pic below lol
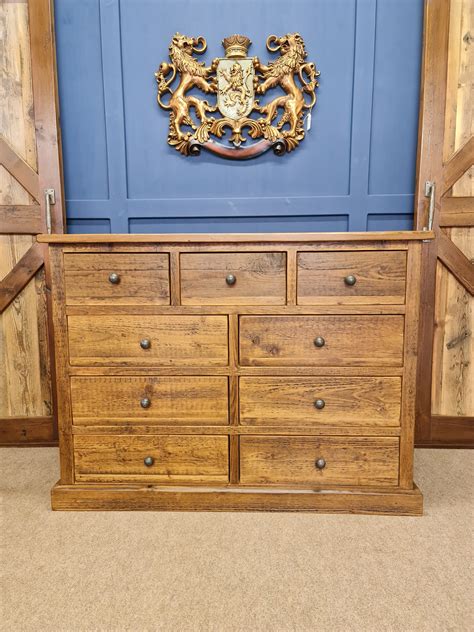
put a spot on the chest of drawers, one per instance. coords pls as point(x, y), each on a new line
point(236, 372)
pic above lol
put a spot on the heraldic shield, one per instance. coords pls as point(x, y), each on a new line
point(235, 87)
point(236, 80)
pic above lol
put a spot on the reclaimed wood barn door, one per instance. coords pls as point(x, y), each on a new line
point(445, 414)
point(30, 165)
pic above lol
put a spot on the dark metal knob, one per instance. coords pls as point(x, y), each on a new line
point(230, 279)
point(114, 278)
point(350, 280)
point(145, 343)
point(319, 341)
point(148, 460)
point(145, 402)
point(319, 404)
point(320, 464)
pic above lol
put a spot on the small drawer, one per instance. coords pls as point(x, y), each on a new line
point(320, 401)
point(318, 461)
point(116, 279)
point(150, 400)
point(169, 340)
point(321, 340)
point(233, 278)
point(163, 458)
point(351, 277)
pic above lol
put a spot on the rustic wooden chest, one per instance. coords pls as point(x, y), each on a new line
point(237, 372)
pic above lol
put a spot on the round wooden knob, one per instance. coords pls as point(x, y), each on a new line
point(145, 343)
point(145, 402)
point(320, 464)
point(230, 279)
point(319, 404)
point(148, 461)
point(114, 278)
point(350, 280)
point(319, 341)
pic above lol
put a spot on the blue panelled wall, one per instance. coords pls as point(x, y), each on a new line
point(354, 171)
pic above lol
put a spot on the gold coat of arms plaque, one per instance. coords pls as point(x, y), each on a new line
point(236, 80)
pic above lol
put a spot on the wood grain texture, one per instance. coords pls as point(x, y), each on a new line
point(260, 278)
point(123, 498)
point(20, 275)
point(349, 340)
point(144, 279)
point(358, 401)
point(177, 458)
point(380, 277)
point(291, 460)
point(240, 238)
point(184, 340)
point(21, 219)
point(180, 400)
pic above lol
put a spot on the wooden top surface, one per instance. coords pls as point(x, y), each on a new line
point(401, 235)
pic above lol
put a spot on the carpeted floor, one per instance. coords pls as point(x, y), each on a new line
point(226, 572)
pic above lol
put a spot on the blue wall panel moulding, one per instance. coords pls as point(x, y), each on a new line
point(354, 171)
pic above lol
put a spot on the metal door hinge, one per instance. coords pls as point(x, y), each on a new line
point(430, 191)
point(49, 199)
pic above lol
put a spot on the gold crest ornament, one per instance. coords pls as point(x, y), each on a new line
point(236, 79)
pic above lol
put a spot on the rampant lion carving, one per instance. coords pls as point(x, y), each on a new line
point(282, 72)
point(193, 74)
point(230, 83)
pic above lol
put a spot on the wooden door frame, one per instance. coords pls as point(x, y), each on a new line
point(438, 430)
point(31, 219)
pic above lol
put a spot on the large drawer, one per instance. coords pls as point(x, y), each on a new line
point(170, 458)
point(341, 401)
point(116, 279)
point(233, 278)
point(321, 340)
point(351, 277)
point(318, 461)
point(187, 400)
point(148, 340)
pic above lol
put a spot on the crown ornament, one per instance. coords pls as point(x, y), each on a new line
point(236, 46)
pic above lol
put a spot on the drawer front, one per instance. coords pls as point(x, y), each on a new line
point(351, 277)
point(144, 400)
point(341, 401)
point(352, 461)
point(234, 278)
point(342, 340)
point(170, 458)
point(116, 279)
point(148, 340)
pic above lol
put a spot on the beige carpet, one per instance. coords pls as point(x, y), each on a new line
point(224, 572)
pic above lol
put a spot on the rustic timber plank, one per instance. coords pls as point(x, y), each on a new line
point(20, 275)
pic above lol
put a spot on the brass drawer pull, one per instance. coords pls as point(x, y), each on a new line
point(148, 461)
point(319, 341)
point(145, 343)
point(114, 278)
point(319, 404)
point(350, 279)
point(320, 464)
point(230, 279)
point(145, 402)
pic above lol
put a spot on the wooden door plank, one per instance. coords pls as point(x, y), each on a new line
point(456, 262)
point(457, 165)
point(456, 211)
point(20, 275)
point(23, 219)
point(19, 169)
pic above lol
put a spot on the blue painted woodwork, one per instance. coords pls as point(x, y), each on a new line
point(354, 171)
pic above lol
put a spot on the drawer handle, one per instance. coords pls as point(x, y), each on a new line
point(145, 402)
point(350, 279)
point(114, 278)
point(320, 464)
point(148, 461)
point(319, 341)
point(145, 343)
point(319, 404)
point(230, 279)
